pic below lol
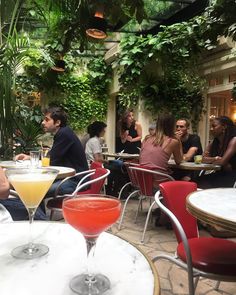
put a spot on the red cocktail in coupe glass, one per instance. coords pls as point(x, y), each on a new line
point(91, 215)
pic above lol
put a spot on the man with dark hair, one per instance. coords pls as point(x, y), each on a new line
point(191, 146)
point(191, 142)
point(66, 150)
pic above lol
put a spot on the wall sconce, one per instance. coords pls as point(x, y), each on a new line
point(97, 26)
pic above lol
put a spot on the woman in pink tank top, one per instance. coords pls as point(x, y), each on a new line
point(157, 149)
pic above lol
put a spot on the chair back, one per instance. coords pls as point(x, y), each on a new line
point(95, 165)
point(174, 194)
point(96, 182)
point(147, 179)
point(132, 176)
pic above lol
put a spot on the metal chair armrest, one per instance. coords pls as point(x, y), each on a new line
point(69, 177)
point(13, 193)
point(79, 187)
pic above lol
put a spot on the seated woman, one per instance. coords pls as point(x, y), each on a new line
point(221, 151)
point(93, 148)
point(130, 134)
point(157, 149)
point(93, 151)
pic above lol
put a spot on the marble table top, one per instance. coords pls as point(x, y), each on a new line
point(63, 171)
point(128, 269)
point(215, 206)
point(121, 155)
point(193, 166)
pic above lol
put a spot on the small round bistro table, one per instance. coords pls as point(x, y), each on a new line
point(63, 171)
point(129, 270)
point(214, 206)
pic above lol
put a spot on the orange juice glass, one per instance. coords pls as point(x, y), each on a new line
point(45, 157)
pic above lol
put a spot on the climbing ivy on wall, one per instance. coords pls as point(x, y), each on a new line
point(86, 95)
point(163, 69)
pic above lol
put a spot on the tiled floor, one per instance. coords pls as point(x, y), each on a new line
point(173, 280)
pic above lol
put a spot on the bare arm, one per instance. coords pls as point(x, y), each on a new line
point(22, 157)
point(190, 153)
point(223, 161)
point(177, 151)
point(138, 128)
point(4, 185)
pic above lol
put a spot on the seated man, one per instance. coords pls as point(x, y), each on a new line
point(66, 150)
point(191, 146)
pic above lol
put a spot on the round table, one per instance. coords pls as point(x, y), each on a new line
point(63, 171)
point(129, 270)
point(193, 166)
point(214, 206)
point(121, 155)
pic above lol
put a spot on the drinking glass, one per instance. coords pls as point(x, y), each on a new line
point(31, 186)
point(91, 215)
point(198, 159)
point(45, 157)
point(34, 158)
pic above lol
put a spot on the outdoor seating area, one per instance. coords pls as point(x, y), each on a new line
point(118, 147)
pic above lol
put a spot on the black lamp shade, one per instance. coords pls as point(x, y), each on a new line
point(59, 65)
point(97, 28)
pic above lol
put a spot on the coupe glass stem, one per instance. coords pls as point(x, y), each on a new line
point(31, 212)
point(90, 243)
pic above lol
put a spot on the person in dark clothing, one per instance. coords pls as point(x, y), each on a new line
point(191, 142)
point(130, 133)
point(221, 151)
point(66, 150)
point(191, 146)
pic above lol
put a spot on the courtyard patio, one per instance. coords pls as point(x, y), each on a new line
point(173, 280)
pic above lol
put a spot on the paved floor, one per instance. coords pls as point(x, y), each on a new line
point(173, 280)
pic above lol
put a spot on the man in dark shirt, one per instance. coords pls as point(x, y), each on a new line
point(191, 142)
point(191, 146)
point(66, 150)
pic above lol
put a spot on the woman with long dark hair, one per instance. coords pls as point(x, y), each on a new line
point(221, 151)
point(130, 133)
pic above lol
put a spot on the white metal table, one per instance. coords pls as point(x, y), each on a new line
point(214, 206)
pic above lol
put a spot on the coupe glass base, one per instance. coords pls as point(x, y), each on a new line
point(80, 284)
point(26, 252)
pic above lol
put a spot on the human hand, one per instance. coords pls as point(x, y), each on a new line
point(129, 138)
point(22, 157)
point(178, 134)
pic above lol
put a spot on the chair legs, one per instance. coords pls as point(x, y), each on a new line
point(146, 222)
point(126, 202)
point(217, 285)
point(122, 189)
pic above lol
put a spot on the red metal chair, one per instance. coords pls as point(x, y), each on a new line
point(147, 181)
point(133, 183)
point(209, 257)
point(96, 181)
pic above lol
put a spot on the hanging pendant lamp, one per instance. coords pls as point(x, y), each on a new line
point(97, 26)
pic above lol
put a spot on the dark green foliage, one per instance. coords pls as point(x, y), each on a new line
point(162, 70)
